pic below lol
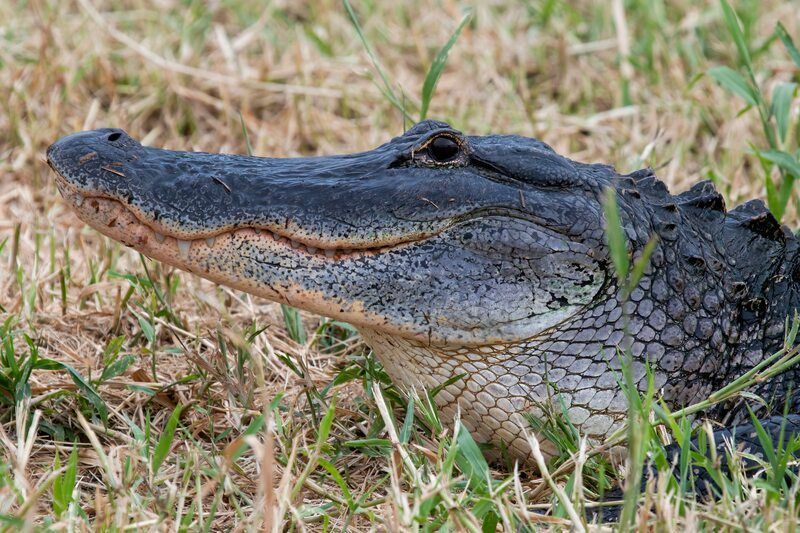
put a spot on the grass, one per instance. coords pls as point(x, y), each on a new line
point(133, 395)
point(776, 115)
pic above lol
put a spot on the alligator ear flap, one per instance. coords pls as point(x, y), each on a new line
point(755, 216)
point(702, 195)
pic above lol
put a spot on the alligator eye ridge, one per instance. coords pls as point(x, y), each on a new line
point(443, 149)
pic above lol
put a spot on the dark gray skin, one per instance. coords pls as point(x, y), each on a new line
point(483, 256)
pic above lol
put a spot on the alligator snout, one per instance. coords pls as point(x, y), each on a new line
point(76, 150)
point(92, 163)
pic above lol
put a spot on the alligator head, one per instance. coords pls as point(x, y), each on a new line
point(454, 254)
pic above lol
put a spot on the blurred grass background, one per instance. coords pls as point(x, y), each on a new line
point(100, 346)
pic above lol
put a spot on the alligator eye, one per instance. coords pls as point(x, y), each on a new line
point(114, 136)
point(443, 149)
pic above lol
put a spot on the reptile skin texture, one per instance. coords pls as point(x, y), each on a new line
point(482, 257)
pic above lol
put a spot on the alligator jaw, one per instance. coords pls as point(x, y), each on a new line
point(202, 255)
point(199, 255)
point(382, 239)
point(106, 215)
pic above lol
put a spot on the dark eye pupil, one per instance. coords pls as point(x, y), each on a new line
point(443, 149)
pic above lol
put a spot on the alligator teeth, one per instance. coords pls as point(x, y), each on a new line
point(77, 199)
point(311, 249)
point(295, 244)
point(183, 248)
point(159, 238)
point(210, 241)
point(257, 231)
point(329, 253)
point(276, 236)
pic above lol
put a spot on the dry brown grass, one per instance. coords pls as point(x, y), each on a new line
point(178, 75)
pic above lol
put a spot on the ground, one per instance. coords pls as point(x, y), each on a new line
point(186, 402)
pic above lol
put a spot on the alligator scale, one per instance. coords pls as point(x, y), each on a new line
point(476, 255)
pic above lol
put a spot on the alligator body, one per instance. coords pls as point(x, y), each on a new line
point(476, 255)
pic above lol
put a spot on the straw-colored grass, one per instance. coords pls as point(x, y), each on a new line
point(599, 81)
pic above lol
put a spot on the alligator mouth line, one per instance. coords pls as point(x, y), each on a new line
point(104, 213)
point(97, 203)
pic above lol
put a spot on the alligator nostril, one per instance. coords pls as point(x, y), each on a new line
point(114, 136)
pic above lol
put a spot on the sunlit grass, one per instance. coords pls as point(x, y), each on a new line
point(134, 395)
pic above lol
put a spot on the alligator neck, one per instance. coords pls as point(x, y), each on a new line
point(767, 272)
point(709, 307)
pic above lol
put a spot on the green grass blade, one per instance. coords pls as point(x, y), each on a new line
point(116, 368)
point(86, 388)
point(773, 197)
point(735, 29)
point(436, 68)
point(440, 387)
point(778, 197)
point(148, 330)
point(165, 440)
point(408, 423)
point(387, 90)
point(734, 82)
point(615, 236)
point(787, 41)
point(686, 453)
point(787, 162)
point(490, 522)
point(470, 460)
point(363, 443)
point(326, 424)
point(763, 439)
point(294, 324)
point(641, 263)
point(64, 486)
point(792, 327)
point(782, 98)
point(338, 479)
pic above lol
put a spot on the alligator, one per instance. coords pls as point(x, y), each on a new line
point(474, 264)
